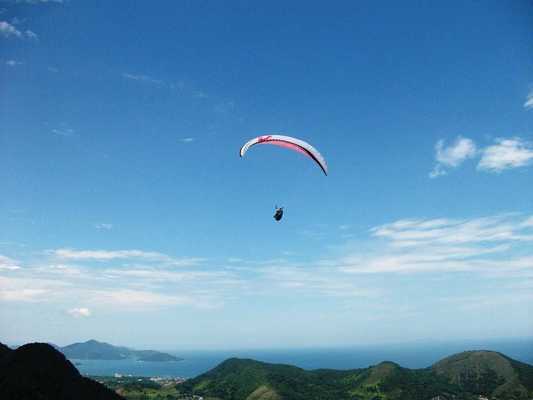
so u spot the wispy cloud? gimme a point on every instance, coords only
(446, 245)
(7, 263)
(128, 298)
(65, 132)
(30, 34)
(39, 1)
(13, 63)
(528, 105)
(452, 156)
(187, 140)
(28, 288)
(81, 312)
(125, 287)
(133, 279)
(528, 222)
(108, 255)
(103, 227)
(316, 281)
(8, 30)
(498, 228)
(506, 154)
(143, 78)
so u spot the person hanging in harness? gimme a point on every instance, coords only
(278, 214)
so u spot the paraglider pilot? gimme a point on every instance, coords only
(279, 213)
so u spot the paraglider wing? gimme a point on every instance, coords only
(289, 143)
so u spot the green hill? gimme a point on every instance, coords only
(464, 376)
(488, 372)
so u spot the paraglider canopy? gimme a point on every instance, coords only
(289, 143)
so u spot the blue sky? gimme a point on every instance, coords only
(127, 216)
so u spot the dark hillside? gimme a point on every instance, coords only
(4, 350)
(37, 371)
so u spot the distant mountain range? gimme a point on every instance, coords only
(94, 350)
(466, 376)
(38, 371)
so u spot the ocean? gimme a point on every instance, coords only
(413, 355)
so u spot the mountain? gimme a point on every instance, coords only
(94, 350)
(488, 372)
(4, 350)
(38, 371)
(464, 376)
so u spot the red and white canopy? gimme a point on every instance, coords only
(289, 143)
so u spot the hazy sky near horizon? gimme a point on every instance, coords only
(127, 216)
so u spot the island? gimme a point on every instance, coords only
(94, 350)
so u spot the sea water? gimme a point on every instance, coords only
(413, 355)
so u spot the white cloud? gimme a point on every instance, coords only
(13, 63)
(39, 1)
(23, 295)
(321, 281)
(65, 132)
(163, 275)
(528, 222)
(8, 30)
(108, 255)
(7, 263)
(505, 154)
(143, 78)
(446, 245)
(187, 140)
(129, 298)
(79, 312)
(103, 227)
(405, 233)
(528, 105)
(31, 35)
(140, 280)
(452, 156)
(72, 254)
(28, 289)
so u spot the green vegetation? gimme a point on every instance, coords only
(464, 376)
(38, 371)
(94, 350)
(140, 388)
(487, 372)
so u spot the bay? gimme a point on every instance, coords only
(411, 355)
